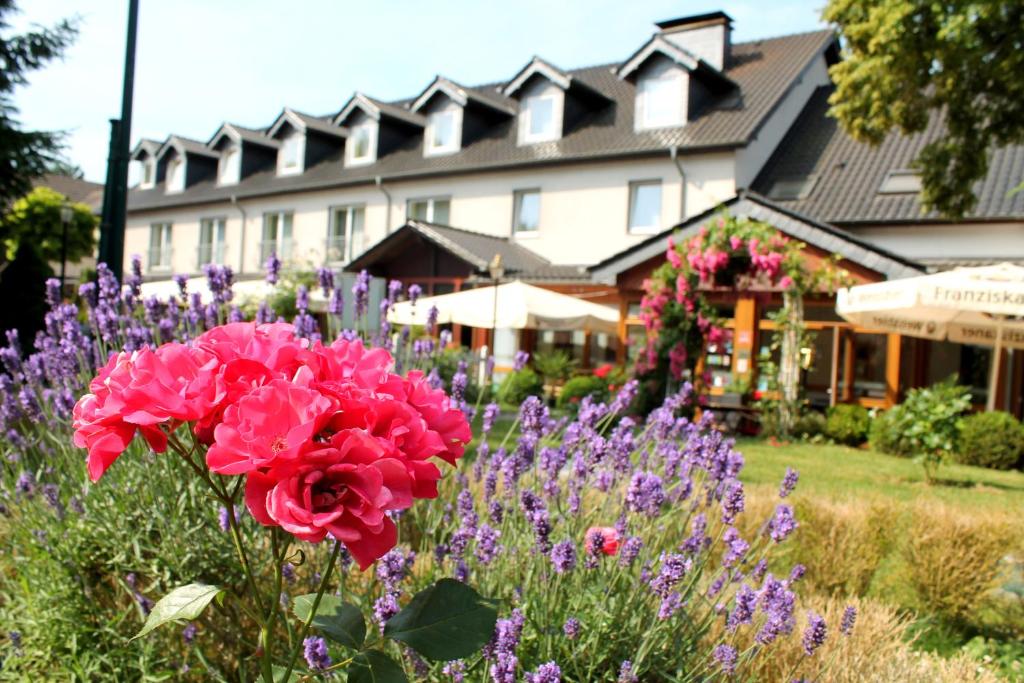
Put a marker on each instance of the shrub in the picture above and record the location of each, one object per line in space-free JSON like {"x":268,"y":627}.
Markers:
{"x":517,"y":386}
{"x":954,"y":558}
{"x":809,"y":425}
{"x":578,"y":387}
{"x":848,"y":424}
{"x":994,"y":440}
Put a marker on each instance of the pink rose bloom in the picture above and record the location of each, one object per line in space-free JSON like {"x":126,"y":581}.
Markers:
{"x":735,"y":242}
{"x":672,"y":255}
{"x":752,"y":245}
{"x":677,"y":360}
{"x":274,"y":423}
{"x":345,"y":489}
{"x":785,"y":282}
{"x":273,"y":345}
{"x":609,"y":538}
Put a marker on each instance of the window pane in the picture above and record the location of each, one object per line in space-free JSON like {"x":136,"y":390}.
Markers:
{"x":662,"y":101}
{"x":269,"y":227}
{"x":360,"y":142}
{"x":340,"y":223}
{"x":542,"y":114}
{"x":645,"y":207}
{"x":441,"y":211}
{"x":418,"y":209}
{"x":221,"y":229}
{"x":287,"y":232}
{"x":229,"y":165}
{"x":356,"y":243}
{"x":527,"y":211}
{"x":155,"y":236}
{"x":290,"y":151}
{"x":205,"y":231}
{"x":443,"y":124}
{"x":147,"y":172}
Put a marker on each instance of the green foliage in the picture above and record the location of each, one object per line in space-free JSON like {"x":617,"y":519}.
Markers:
{"x":518,"y":385}
{"x":35,"y":220}
{"x":848,"y":424}
{"x":447,"y":621}
{"x":25,"y":154}
{"x":583,"y":385}
{"x":282,"y":298}
{"x":374,"y":666}
{"x":1006,"y":655}
{"x":338,"y":620}
{"x":809,"y":425}
{"x":554,"y":366}
{"x":181,"y":604}
{"x":994,"y":440}
{"x":907,"y":59}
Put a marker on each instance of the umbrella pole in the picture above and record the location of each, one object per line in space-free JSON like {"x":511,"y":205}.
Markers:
{"x":993,"y":380}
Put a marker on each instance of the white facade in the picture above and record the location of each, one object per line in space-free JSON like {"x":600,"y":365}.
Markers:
{"x":944,"y":243}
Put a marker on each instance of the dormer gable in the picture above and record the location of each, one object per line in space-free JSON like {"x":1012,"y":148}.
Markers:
{"x":304,"y":141}
{"x":144,"y":155}
{"x":456,"y":116}
{"x":375,"y":128}
{"x":551,"y":101}
{"x":243,"y":151}
{"x":182,"y":162}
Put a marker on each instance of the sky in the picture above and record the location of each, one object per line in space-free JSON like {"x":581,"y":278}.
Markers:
{"x":203,"y":62}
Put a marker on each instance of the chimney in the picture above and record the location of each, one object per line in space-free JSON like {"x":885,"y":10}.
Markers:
{"x":704,"y":35}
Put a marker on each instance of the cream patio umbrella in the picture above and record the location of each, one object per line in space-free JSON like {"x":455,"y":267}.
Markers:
{"x":982,"y":305}
{"x":514,"y":305}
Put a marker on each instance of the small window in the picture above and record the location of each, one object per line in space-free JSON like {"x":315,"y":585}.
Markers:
{"x":900,"y":182}
{"x":645,"y":207}
{"x":526,"y":211}
{"x":361,"y":147}
{"x":211,"y":241}
{"x":160,"y":246}
{"x":175,"y":175}
{"x":541,"y":118}
{"x":442,"y":132}
{"x":660,"y":100}
{"x":431,"y":210}
{"x":277,"y":235}
{"x":345,"y":236}
{"x":795,"y":187}
{"x":290,"y":156}
{"x":230,"y":165}
{"x":148,"y":173}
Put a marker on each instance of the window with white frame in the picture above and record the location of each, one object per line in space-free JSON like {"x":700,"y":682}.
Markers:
{"x":176,"y":174}
{"x":900,"y":181}
{"x":661,"y":97}
{"x":361,"y":146}
{"x":644,"y":207}
{"x":159,"y":246}
{"x":277,"y":235}
{"x":148,"y":179}
{"x":443,"y":134}
{"x":345,"y":233}
{"x":230,"y":166}
{"x":430,"y":209}
{"x":289,"y":157}
{"x":526,"y":211}
{"x":541,"y":118}
{"x":211,"y":241}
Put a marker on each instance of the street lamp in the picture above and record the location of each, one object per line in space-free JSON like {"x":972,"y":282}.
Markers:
{"x":497,"y":271}
{"x":66,"y":214}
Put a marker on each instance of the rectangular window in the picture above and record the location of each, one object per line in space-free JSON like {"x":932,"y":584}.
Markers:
{"x":526,"y":213}
{"x":442,"y":134}
{"x":228,"y":172}
{"x":661,"y":101}
{"x":644,"y":207}
{"x":277,"y":235}
{"x":540,"y":114}
{"x":175,"y":175}
{"x":148,"y":173}
{"x":211,"y":241}
{"x":361,"y":147}
{"x":430,"y":209}
{"x":160,"y":246}
{"x":290,"y":156}
{"x":900,"y":182}
{"x":345,"y":236}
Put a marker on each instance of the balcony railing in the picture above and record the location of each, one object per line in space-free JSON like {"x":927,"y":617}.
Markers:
{"x":283,"y":249}
{"x":209,"y":253}
{"x":160,"y":259}
{"x":334,"y":249}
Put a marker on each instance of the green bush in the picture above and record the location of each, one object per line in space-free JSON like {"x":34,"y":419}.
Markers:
{"x":994,"y":440}
{"x":578,"y":387}
{"x":848,"y":424}
{"x":518,"y":385}
{"x":809,"y":425}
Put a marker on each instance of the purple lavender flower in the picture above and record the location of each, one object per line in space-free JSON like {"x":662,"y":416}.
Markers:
{"x":385,"y":607}
{"x":777,"y":603}
{"x":626,"y":673}
{"x":53,"y":293}
{"x":314,"y":649}
{"x":849,"y":618}
{"x":502,"y":648}
{"x":188,"y":634}
{"x":782,"y":524}
{"x":645,"y":494}
{"x":182,"y":282}
{"x":487,"y":547}
{"x":361,"y":293}
{"x":325,"y":278}
{"x":630,"y":550}
{"x":414,"y":293}
{"x":15,"y":638}
{"x":491,"y":411}
{"x":224,"y":518}
{"x":796,"y":573}
{"x":670,"y":604}
{"x":788,"y":482}
{"x":571,"y":628}
{"x":735,"y":547}
{"x":625,"y":397}
{"x":26,"y":484}
{"x":563,"y":557}
{"x":288,"y":572}
{"x":733,"y":501}
{"x":432,"y":314}
{"x":520,"y":360}
{"x":726,"y":657}
{"x":744,"y":608}
{"x":273,"y":268}
{"x":673,"y":568}
{"x":545,"y":673}
{"x":815,"y":634}
{"x":455,"y":670}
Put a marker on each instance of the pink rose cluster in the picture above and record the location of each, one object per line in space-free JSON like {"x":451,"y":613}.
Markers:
{"x":329,"y":439}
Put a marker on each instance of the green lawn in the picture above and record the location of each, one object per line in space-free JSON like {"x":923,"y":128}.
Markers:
{"x":840,"y":472}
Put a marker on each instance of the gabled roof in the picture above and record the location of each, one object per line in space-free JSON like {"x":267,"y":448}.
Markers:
{"x":184,"y":146}
{"x":849,"y":173}
{"x":461,"y":96}
{"x":475,"y":248}
{"x":375,"y":109}
{"x":304,"y":122}
{"x":145,"y":147}
{"x":241,"y":134}
{"x":659,"y":44}
{"x":752,"y":205}
{"x":75,"y":189}
{"x":563,"y":79}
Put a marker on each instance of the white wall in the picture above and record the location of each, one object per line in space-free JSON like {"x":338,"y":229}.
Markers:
{"x":949,"y":242}
{"x":583,"y":210}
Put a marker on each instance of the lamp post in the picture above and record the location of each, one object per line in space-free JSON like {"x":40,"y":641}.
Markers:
{"x":66,"y":214}
{"x":496,"y":271}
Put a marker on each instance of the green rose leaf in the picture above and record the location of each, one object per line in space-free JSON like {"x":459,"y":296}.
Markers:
{"x":340,"y":621}
{"x":278,"y":672}
{"x":447,"y":621}
{"x":181,"y":604}
{"x":374,"y":666}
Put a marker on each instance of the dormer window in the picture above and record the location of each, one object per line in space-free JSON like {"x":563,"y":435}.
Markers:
{"x":175,"y":175}
{"x":442,"y":136}
{"x":229,"y":166}
{"x":289,"y":159}
{"x":661,"y":97}
{"x":148,"y":173}
{"x":541,"y":117}
{"x":361,"y":147}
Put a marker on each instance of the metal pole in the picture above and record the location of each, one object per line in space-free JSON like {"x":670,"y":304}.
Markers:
{"x":494,"y":316}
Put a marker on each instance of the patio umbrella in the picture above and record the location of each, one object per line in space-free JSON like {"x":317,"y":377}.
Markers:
{"x":983,"y":305}
{"x":514,"y":305}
